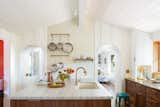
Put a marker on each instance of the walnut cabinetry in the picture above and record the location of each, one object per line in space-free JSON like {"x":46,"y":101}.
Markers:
{"x":60,"y":103}
{"x":131,"y":89}
{"x":153,"y":98}
{"x":1,"y":101}
{"x":142,"y":96}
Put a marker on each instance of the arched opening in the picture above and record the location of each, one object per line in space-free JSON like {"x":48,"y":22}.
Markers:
{"x":108,"y":61}
{"x":31,"y":69}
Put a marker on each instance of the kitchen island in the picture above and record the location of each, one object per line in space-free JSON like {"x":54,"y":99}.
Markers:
{"x":70,"y":95}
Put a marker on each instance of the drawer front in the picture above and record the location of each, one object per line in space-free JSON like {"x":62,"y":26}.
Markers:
{"x":153,"y":95}
{"x":140,"y":89}
{"x":152,"y":104}
{"x":132,"y":100}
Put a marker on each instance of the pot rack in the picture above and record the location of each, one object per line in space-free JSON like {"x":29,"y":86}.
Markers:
{"x":59,"y":37}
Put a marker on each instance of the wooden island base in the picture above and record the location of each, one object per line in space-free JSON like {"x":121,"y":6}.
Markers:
{"x":61,"y":103}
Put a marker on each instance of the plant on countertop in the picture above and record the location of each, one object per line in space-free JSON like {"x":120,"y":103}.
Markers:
{"x":63,"y":75}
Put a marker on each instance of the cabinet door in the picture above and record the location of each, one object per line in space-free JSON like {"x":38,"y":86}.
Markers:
{"x":63,"y":103}
{"x":25,"y":103}
{"x":130,"y":87}
{"x":131,"y":90}
{"x":140,"y":100}
{"x":83,"y":103}
{"x":32,"y":103}
{"x":93,"y":103}
{"x":101,"y":103}
{"x":153,"y":98}
{"x":140,"y":95}
{"x":47,"y":103}
{"x":132,"y":100}
{"x":152,"y":104}
{"x":153,"y":95}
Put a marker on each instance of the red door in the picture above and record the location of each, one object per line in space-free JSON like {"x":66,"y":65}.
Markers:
{"x":1,"y":63}
{"x":1,"y":59}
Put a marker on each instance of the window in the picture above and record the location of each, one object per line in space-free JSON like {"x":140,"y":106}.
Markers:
{"x":156,"y":56}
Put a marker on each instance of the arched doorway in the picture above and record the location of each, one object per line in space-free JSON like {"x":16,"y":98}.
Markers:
{"x":108,"y":62}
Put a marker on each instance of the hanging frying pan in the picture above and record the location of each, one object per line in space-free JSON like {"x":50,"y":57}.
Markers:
{"x":52,"y":46}
{"x":60,"y":46}
{"x":67,"y":47}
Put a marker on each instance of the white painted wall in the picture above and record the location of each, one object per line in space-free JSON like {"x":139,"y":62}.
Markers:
{"x":142,"y":50}
{"x":34,"y":38}
{"x":106,"y":34}
{"x":81,"y":37}
{"x":119,"y":37}
{"x":156,"y":36}
{"x":132,"y":44}
{"x":6,"y":37}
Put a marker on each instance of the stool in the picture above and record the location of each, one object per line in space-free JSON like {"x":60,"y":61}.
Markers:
{"x":124,"y":96}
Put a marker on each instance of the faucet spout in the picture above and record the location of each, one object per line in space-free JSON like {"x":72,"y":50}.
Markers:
{"x":77,"y":70}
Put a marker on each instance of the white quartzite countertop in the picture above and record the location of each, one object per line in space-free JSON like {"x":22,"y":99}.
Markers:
{"x":147,"y":83}
{"x":69,"y":92}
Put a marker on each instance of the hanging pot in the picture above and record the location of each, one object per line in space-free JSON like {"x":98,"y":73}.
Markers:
{"x":60,"y":46}
{"x":67,"y":47}
{"x":52,"y":46}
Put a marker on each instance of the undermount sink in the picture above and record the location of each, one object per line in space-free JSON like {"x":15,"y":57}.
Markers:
{"x":87,"y":85}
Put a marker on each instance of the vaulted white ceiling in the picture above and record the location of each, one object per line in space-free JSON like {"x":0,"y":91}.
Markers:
{"x":25,"y":15}
{"x":138,"y":14}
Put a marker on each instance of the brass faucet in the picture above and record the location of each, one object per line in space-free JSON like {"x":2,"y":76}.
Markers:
{"x":84,"y":71}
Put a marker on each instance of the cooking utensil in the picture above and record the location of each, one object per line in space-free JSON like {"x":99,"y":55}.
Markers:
{"x":52,"y":46}
{"x":56,"y":67}
{"x":67,"y":47}
{"x":60,"y":65}
{"x":60,"y":46}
